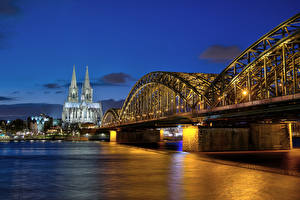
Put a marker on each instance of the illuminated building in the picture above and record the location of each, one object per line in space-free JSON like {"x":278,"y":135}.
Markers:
{"x":39,"y":122}
{"x":84,"y":111}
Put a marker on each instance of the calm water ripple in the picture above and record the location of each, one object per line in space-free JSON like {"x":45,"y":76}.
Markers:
{"x":94,"y":170}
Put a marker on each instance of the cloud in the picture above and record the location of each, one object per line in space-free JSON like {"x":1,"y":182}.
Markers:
{"x":220,"y":53}
{"x":22,"y":111}
{"x":52,"y":86}
{"x":67,"y":84}
{"x":59,"y":85}
{"x":116,"y":78}
{"x":15,"y":92}
{"x":2,"y":98}
{"x":112,"y":79}
{"x":8,"y":7}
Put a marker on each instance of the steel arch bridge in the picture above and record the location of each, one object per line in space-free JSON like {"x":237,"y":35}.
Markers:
{"x":269,"y":68}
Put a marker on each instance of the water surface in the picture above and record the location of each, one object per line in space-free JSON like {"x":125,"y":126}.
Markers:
{"x":94,"y":170}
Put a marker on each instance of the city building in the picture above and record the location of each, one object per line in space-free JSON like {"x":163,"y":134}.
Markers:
{"x":83,"y":111}
{"x":37,"y":123}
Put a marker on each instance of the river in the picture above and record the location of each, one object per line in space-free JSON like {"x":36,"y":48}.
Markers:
{"x":100,"y":170}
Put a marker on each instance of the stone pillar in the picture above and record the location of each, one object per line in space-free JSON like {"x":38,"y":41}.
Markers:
{"x":255,"y":137}
{"x":190,"y":138}
{"x":112,"y":136}
{"x":223,"y":139}
{"x":138,"y":136}
{"x":270,"y":136}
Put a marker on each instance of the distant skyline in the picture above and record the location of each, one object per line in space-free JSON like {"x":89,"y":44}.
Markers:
{"x":121,"y":41}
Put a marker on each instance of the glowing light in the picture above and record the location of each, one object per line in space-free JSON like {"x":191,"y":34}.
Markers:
{"x":291,"y":135}
{"x":190,"y":131}
{"x":161,"y":133}
{"x":113,"y":136}
{"x":190,"y":138}
{"x":245,"y":92}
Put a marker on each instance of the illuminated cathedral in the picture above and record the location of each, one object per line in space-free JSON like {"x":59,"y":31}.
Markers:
{"x":83,"y":111}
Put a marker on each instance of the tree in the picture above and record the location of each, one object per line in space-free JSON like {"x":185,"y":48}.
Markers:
{"x":16,"y":125}
{"x":48,"y":124}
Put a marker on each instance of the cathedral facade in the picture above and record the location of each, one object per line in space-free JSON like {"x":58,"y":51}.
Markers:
{"x":83,"y":111}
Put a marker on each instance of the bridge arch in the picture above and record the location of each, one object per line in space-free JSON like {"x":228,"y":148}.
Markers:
{"x":255,"y":73}
{"x":110,"y":117}
{"x":159,"y":94}
{"x":270,"y":67}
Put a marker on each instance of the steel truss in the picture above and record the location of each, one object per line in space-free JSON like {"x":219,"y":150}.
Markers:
{"x":160,"y":94}
{"x":265,"y":69}
{"x":268,"y":68}
{"x":111,"y":117}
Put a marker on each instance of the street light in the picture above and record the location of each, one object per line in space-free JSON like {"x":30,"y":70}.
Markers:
{"x":245,"y":92}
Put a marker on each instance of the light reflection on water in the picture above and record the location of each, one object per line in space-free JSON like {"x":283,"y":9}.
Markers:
{"x":92,"y":170}
{"x":175,"y":179}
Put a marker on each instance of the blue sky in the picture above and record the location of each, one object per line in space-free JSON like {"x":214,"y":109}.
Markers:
{"x":120,"y":41}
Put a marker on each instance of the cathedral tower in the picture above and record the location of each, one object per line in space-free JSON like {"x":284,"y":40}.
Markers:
{"x":87,"y":91}
{"x":84,"y":111}
{"x":73,"y":90}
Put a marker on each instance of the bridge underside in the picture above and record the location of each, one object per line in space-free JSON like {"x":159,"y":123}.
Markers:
{"x":256,"y":136}
{"x":256,"y":126}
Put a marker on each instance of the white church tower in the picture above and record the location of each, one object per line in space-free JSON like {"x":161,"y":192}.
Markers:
{"x":87,"y":91}
{"x":84,"y":111}
{"x":73,"y":90}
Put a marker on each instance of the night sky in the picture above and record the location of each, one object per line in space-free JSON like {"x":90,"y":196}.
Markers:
{"x":121,"y":40}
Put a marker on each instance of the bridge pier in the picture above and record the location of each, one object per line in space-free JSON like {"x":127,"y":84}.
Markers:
{"x":190,"y":138}
{"x":112,"y":136}
{"x":255,"y":137}
{"x":271,"y":136}
{"x":135,"y":136}
{"x":161,"y":135}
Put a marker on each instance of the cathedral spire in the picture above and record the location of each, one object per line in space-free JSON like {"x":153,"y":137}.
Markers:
{"x":73,"y":90}
{"x":73,"y":82}
{"x":87,"y":79}
{"x":87,"y":91}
